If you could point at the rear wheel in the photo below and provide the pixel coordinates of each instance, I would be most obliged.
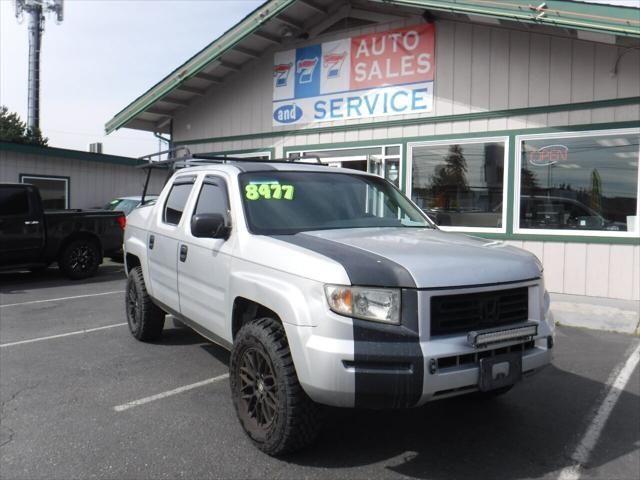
(272, 407)
(80, 259)
(145, 319)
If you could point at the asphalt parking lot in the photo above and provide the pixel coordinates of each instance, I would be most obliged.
(67, 412)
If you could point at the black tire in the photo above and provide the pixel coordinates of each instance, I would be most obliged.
(145, 319)
(80, 259)
(273, 409)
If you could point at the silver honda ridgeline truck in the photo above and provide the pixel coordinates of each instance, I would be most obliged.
(330, 287)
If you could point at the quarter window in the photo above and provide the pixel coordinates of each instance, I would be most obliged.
(460, 184)
(579, 182)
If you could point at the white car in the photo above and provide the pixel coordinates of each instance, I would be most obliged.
(128, 204)
(330, 287)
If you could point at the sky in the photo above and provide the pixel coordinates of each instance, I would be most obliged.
(101, 57)
(104, 55)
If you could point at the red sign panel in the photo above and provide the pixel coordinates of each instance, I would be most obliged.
(394, 57)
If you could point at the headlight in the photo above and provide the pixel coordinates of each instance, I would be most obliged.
(377, 304)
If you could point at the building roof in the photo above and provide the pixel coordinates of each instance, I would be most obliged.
(68, 154)
(279, 23)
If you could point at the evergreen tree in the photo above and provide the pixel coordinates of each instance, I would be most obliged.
(14, 130)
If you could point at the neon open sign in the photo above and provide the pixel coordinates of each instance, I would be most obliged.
(548, 155)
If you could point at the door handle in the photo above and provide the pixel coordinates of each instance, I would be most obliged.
(32, 222)
(152, 240)
(183, 252)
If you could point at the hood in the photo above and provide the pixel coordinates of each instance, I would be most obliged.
(431, 258)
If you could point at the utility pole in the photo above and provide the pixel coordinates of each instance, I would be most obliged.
(35, 9)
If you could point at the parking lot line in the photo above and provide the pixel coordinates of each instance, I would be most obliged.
(590, 438)
(169, 393)
(61, 298)
(51, 337)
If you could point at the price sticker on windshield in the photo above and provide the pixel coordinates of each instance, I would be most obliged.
(268, 191)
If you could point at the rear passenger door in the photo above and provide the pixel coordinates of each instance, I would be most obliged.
(163, 240)
(203, 269)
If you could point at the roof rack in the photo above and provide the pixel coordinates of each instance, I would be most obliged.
(199, 159)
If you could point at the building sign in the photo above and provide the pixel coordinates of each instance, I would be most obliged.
(373, 75)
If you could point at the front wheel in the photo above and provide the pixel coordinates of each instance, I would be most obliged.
(80, 259)
(272, 407)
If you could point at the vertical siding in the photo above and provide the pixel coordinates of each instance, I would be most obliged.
(597, 272)
(589, 269)
(91, 184)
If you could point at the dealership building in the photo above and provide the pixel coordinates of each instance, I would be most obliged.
(512, 121)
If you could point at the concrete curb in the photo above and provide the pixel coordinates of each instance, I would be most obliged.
(597, 313)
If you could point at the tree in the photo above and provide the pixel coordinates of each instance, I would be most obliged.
(14, 130)
(450, 179)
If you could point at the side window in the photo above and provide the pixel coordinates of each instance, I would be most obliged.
(14, 201)
(213, 197)
(176, 201)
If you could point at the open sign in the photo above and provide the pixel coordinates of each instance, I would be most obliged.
(548, 155)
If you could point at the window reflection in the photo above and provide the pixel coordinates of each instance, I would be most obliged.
(460, 184)
(584, 183)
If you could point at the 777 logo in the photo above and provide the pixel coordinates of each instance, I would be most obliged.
(281, 73)
(305, 68)
(333, 63)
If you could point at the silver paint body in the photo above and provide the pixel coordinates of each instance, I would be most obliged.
(289, 280)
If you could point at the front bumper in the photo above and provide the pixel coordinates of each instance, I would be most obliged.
(353, 363)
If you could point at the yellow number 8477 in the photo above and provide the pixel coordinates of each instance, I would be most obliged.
(268, 191)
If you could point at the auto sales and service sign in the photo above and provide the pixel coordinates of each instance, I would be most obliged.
(373, 75)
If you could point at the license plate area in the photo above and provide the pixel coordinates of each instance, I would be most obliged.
(500, 371)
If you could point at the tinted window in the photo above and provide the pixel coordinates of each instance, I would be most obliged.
(213, 197)
(176, 201)
(13, 201)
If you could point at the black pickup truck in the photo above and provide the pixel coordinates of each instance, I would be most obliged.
(31, 238)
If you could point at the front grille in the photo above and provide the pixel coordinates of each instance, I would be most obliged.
(476, 311)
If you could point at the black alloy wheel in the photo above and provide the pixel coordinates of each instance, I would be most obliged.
(259, 392)
(273, 409)
(80, 259)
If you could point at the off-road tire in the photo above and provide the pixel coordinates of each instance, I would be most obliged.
(145, 319)
(296, 419)
(80, 259)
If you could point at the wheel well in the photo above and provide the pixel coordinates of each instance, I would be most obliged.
(131, 261)
(245, 310)
(80, 236)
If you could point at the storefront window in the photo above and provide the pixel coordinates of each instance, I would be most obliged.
(460, 184)
(579, 182)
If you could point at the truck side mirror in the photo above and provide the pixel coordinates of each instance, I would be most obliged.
(209, 225)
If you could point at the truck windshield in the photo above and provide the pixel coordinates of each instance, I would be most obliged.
(279, 202)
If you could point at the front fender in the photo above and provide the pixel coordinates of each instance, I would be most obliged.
(292, 298)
